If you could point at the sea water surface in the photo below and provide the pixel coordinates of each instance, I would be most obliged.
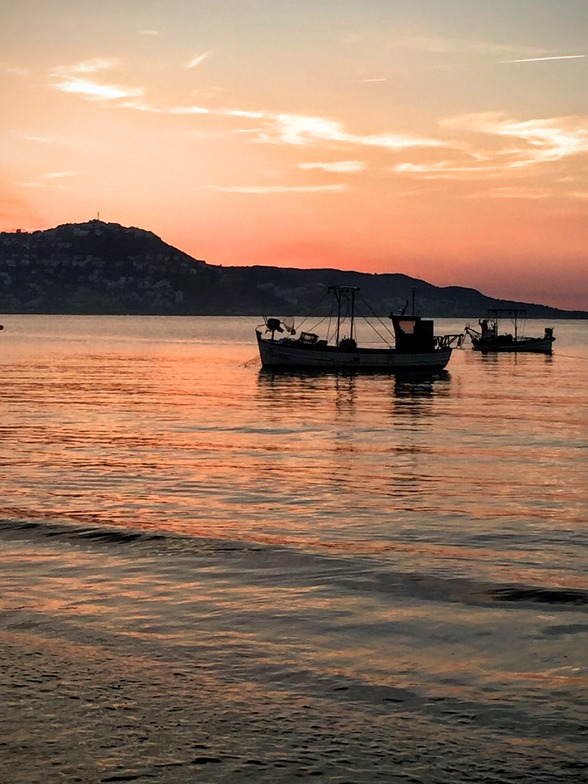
(213, 573)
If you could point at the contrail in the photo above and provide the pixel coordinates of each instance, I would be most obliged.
(539, 59)
(197, 60)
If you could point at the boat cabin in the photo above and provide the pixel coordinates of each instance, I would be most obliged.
(413, 333)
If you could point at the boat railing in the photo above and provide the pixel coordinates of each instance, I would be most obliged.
(449, 341)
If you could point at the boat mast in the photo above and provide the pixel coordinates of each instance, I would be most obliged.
(348, 293)
(494, 314)
(352, 292)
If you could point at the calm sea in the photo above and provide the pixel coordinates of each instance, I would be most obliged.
(212, 573)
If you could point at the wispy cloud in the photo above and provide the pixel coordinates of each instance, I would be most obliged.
(71, 79)
(337, 167)
(13, 70)
(95, 65)
(301, 129)
(295, 129)
(49, 179)
(513, 192)
(482, 145)
(188, 110)
(37, 139)
(59, 175)
(260, 189)
(107, 92)
(244, 113)
(542, 139)
(497, 146)
(439, 169)
(198, 59)
(273, 128)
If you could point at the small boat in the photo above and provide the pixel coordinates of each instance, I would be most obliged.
(486, 337)
(412, 344)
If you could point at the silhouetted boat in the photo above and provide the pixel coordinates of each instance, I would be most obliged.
(412, 346)
(486, 337)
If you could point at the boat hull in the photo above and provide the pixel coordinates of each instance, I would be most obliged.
(288, 354)
(526, 345)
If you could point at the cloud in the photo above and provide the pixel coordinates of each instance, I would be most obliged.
(285, 129)
(260, 189)
(543, 139)
(188, 110)
(198, 59)
(338, 167)
(487, 144)
(97, 91)
(87, 66)
(301, 129)
(59, 175)
(439, 170)
(38, 139)
(42, 181)
(243, 113)
(498, 148)
(70, 81)
(275, 128)
(13, 70)
(511, 192)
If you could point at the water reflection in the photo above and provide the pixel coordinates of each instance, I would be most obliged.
(422, 385)
(358, 441)
(306, 396)
(401, 384)
(515, 358)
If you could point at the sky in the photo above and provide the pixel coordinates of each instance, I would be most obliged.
(444, 139)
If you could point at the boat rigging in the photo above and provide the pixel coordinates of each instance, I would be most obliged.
(411, 345)
(486, 336)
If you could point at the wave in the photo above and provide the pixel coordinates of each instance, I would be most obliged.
(525, 593)
(117, 536)
(353, 572)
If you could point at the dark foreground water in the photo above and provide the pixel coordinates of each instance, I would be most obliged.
(212, 574)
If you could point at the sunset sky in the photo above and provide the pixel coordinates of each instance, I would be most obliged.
(445, 139)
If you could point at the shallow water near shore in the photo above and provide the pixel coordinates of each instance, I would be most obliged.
(213, 573)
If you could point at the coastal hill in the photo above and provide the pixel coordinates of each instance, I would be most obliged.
(99, 267)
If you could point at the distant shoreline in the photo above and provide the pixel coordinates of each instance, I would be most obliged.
(98, 268)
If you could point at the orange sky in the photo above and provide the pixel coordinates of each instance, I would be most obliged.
(446, 139)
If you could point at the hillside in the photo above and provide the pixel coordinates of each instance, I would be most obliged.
(98, 267)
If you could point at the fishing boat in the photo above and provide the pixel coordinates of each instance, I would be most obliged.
(486, 336)
(411, 345)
